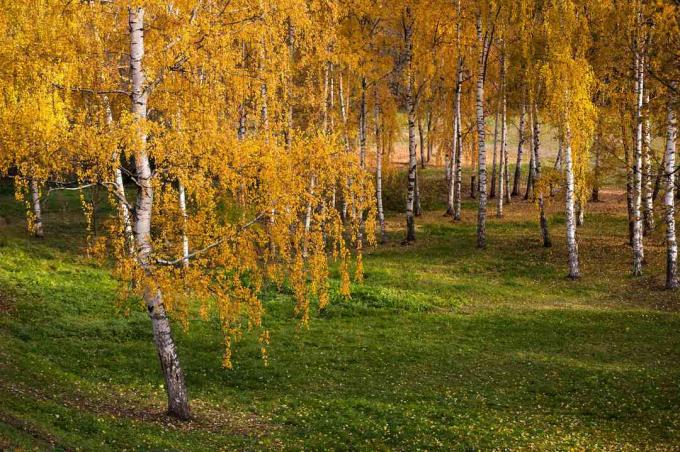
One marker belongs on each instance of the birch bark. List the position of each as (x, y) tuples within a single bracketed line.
[(178, 401), (669, 201)]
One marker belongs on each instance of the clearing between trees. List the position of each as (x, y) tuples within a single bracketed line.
[(443, 345)]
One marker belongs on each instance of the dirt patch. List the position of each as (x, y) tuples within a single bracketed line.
[(7, 302), (38, 434), (129, 405)]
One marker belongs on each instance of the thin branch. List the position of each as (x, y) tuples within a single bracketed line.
[(92, 91), (212, 245)]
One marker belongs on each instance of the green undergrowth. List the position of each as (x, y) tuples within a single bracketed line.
[(443, 346)]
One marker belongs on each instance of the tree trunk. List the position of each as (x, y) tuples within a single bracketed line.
[(530, 177), (457, 136), (481, 135), (185, 237), (536, 147), (638, 250), (37, 225), (580, 214), (647, 202), (572, 245), (595, 195), (242, 117), (411, 107), (290, 41), (629, 178), (378, 167), (504, 140), (520, 148), (421, 136), (178, 403), (430, 144), (492, 188), (418, 208), (451, 168), (362, 125), (119, 189), (659, 178), (458, 172), (345, 134), (560, 153), (669, 201)]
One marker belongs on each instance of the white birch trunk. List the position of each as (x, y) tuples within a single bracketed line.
[(362, 125), (536, 147), (411, 107), (647, 191), (492, 188), (520, 148), (669, 201), (457, 174), (37, 210), (458, 158), (119, 188), (452, 160), (178, 403), (185, 237), (572, 245), (504, 140), (481, 136), (638, 250), (378, 167)]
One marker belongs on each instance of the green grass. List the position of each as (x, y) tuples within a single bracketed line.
[(443, 347)]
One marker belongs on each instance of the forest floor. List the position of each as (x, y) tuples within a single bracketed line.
[(443, 347)]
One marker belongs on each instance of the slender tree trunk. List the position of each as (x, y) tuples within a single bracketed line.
[(504, 139), (37, 211), (411, 107), (492, 188), (421, 135), (530, 177), (185, 237), (536, 148), (458, 160), (457, 136), (178, 401), (595, 195), (242, 118), (659, 178), (572, 245), (647, 202), (669, 201), (343, 114), (418, 208), (452, 164), (123, 209), (264, 109), (520, 148), (378, 167), (629, 177), (481, 136), (580, 214), (430, 144), (290, 41), (638, 250), (362, 125), (560, 153)]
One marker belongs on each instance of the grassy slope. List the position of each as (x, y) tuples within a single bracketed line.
[(443, 346)]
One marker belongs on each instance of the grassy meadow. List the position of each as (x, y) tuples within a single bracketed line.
[(443, 347)]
